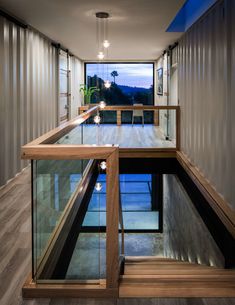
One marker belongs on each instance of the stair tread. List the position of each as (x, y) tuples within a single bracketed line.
[(179, 272), (148, 258), (126, 291), (167, 266), (151, 277), (175, 278)]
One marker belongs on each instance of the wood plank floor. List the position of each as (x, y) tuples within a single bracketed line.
[(15, 255)]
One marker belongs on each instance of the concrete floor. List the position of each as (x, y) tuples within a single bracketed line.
[(88, 260)]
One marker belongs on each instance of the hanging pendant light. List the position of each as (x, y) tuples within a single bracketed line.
[(106, 44), (100, 55), (102, 105), (103, 45), (97, 119), (98, 186), (103, 165), (107, 84), (102, 33)]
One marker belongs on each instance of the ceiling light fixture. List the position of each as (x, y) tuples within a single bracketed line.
[(102, 33)]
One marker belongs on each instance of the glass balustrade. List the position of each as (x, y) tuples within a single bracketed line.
[(100, 129), (56, 186)]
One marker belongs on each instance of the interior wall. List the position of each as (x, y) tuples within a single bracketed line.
[(205, 99), (167, 119), (185, 236), (28, 99), (161, 63), (173, 83), (161, 100), (77, 78), (232, 100)]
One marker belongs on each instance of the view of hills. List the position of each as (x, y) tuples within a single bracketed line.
[(132, 90), (119, 94)]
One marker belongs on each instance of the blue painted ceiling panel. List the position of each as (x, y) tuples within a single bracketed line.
[(190, 12)]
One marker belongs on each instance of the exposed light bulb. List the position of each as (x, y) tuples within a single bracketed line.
[(98, 186), (107, 84), (106, 44), (102, 105), (100, 55), (97, 119), (103, 165)]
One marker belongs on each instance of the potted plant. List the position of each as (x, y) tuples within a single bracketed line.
[(87, 92)]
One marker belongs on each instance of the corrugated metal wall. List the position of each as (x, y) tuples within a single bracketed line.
[(204, 97), (232, 97), (28, 96)]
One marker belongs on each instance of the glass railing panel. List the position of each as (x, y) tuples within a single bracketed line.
[(167, 127), (89, 260), (92, 133), (75, 136), (54, 183), (97, 205), (157, 131), (160, 133)]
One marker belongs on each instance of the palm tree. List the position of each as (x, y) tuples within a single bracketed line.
[(114, 74)]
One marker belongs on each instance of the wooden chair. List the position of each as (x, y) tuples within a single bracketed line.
[(138, 113)]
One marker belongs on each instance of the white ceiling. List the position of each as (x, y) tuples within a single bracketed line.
[(136, 27)]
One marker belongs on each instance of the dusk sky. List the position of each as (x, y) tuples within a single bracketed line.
[(135, 75)]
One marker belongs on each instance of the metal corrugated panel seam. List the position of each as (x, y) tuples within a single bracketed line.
[(28, 99)]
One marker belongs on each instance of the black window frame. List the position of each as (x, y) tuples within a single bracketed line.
[(122, 62)]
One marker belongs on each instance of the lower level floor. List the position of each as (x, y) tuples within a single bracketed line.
[(15, 254)]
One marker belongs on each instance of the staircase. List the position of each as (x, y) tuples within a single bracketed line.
[(165, 277)]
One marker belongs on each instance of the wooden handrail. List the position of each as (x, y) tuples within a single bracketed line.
[(66, 152), (131, 107), (111, 154)]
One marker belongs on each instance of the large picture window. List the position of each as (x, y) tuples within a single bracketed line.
[(130, 83)]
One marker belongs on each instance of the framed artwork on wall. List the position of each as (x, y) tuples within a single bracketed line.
[(160, 81)]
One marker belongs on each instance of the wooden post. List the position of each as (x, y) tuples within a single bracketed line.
[(119, 117), (112, 208), (156, 117)]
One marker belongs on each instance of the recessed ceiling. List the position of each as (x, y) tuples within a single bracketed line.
[(137, 28)]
